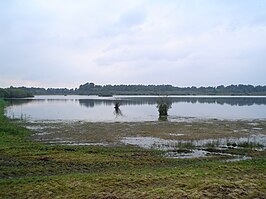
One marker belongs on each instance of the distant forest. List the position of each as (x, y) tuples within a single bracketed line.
[(15, 93), (108, 90)]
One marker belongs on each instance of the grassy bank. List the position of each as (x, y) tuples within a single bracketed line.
[(34, 170)]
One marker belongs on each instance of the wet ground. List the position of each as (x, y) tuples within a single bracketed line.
[(182, 139)]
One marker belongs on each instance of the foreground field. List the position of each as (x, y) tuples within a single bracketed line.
[(31, 169)]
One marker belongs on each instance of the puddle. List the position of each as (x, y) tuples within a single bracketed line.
[(42, 133), (193, 154), (73, 143), (199, 153), (241, 130), (150, 142), (253, 124), (258, 140), (257, 128), (35, 127), (86, 144), (197, 148), (176, 134)]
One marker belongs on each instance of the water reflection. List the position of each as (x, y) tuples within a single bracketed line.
[(117, 111), (90, 103), (17, 102), (135, 108), (233, 101), (163, 118)]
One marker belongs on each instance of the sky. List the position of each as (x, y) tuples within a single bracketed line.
[(65, 43)]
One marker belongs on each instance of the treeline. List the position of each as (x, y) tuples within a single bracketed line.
[(106, 90), (49, 91), (14, 93), (92, 89)]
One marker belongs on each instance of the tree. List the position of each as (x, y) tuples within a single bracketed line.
[(163, 105)]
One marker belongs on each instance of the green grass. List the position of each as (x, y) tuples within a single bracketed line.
[(249, 145), (33, 170)]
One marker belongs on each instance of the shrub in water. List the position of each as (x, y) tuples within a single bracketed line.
[(163, 105)]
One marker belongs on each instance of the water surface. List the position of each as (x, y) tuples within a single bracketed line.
[(135, 108)]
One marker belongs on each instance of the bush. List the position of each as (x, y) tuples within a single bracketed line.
[(163, 105)]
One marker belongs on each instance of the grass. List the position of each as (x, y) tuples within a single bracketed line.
[(101, 132), (246, 145), (34, 170), (188, 145)]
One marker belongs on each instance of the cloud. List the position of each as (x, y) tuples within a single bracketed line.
[(57, 43)]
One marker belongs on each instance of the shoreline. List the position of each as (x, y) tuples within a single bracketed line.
[(36, 170)]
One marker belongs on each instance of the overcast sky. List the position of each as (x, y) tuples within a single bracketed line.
[(65, 43)]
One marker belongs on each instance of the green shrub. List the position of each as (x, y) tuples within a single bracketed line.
[(163, 105)]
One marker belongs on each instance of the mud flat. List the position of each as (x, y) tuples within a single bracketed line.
[(112, 133), (197, 138)]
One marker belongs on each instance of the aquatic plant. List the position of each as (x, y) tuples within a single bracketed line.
[(212, 144), (185, 145), (245, 145), (117, 111), (117, 104), (163, 105)]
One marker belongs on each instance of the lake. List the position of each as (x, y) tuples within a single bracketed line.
[(135, 108)]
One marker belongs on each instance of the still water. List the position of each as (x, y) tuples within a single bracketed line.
[(135, 108)]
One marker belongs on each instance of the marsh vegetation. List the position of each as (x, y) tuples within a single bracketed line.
[(163, 105), (32, 166)]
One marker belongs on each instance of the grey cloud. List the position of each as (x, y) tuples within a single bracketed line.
[(179, 42)]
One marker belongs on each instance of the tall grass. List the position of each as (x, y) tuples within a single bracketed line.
[(2, 106), (7, 127)]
